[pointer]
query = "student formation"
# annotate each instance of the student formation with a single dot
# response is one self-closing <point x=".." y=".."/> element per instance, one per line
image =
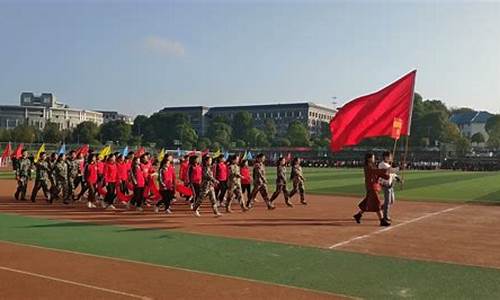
<point x="140" y="181"/>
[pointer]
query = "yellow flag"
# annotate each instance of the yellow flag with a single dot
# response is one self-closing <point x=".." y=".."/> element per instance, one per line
<point x="42" y="149"/>
<point x="105" y="151"/>
<point x="217" y="154"/>
<point x="161" y="154"/>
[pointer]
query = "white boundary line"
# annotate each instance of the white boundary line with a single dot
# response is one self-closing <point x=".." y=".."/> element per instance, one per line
<point x="75" y="283"/>
<point x="428" y="215"/>
<point x="182" y="269"/>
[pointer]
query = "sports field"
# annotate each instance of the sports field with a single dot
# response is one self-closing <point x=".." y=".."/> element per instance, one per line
<point x="443" y="245"/>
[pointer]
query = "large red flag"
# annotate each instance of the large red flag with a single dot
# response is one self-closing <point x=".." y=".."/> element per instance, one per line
<point x="6" y="152"/>
<point x="375" y="115"/>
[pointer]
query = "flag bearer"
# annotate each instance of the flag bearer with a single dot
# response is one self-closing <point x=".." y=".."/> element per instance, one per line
<point x="42" y="180"/>
<point x="23" y="172"/>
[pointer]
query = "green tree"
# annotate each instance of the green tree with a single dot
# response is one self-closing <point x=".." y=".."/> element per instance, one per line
<point x="270" y="129"/>
<point x="4" y="135"/>
<point x="186" y="135"/>
<point x="462" y="147"/>
<point x="477" y="138"/>
<point x="219" y="131"/>
<point x="52" y="134"/>
<point x="257" y="138"/>
<point x="282" y="142"/>
<point x="117" y="131"/>
<point x="298" y="134"/>
<point x="24" y="133"/>
<point x="493" y="142"/>
<point x="203" y="143"/>
<point x="139" y="124"/>
<point x="242" y="123"/>
<point x="86" y="133"/>
<point x="493" y="125"/>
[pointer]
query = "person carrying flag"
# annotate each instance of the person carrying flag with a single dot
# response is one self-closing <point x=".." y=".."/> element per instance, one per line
<point x="42" y="180"/>
<point x="23" y="174"/>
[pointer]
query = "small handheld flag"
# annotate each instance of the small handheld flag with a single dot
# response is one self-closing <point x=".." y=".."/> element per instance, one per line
<point x="105" y="151"/>
<point x="62" y="150"/>
<point x="226" y="155"/>
<point x="161" y="155"/>
<point x="125" y="151"/>
<point x="37" y="156"/>
<point x="249" y="155"/>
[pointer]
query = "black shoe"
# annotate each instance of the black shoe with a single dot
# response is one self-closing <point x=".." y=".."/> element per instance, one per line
<point x="388" y="220"/>
<point x="16" y="195"/>
<point x="303" y="202"/>
<point x="357" y="217"/>
<point x="384" y="223"/>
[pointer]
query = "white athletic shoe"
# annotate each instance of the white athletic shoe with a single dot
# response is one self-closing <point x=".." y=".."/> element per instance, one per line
<point x="157" y="209"/>
<point x="112" y="207"/>
<point x="139" y="209"/>
<point x="89" y="204"/>
<point x="168" y="211"/>
<point x="92" y="205"/>
<point x="191" y="206"/>
<point x="218" y="215"/>
<point x="197" y="213"/>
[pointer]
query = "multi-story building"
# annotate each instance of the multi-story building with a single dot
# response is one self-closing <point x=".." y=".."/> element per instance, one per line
<point x="312" y="115"/>
<point x="109" y="116"/>
<point x="38" y="110"/>
<point x="472" y="122"/>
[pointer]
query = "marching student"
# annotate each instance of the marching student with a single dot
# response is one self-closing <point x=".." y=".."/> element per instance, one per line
<point x="61" y="178"/>
<point x="110" y="179"/>
<point x="52" y="175"/>
<point x="234" y="190"/>
<point x="195" y="175"/>
<point x="371" y="202"/>
<point x="23" y="174"/>
<point x="138" y="180"/>
<point x="246" y="180"/>
<point x="90" y="176"/>
<point x="281" y="182"/>
<point x="220" y="171"/>
<point x="207" y="188"/>
<point x="183" y="173"/>
<point x="260" y="182"/>
<point x="298" y="179"/>
<point x="42" y="180"/>
<point x="73" y="170"/>
<point x="388" y="184"/>
<point x="167" y="182"/>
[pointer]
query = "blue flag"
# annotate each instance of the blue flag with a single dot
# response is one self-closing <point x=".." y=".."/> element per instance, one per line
<point x="179" y="152"/>
<point x="62" y="150"/>
<point x="249" y="155"/>
<point x="125" y="151"/>
<point x="226" y="155"/>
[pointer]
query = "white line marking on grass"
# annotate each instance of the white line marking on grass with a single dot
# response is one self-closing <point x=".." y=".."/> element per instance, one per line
<point x="181" y="269"/>
<point x="395" y="226"/>
<point x="75" y="283"/>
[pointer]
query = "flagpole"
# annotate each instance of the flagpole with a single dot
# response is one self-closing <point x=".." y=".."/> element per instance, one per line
<point x="407" y="145"/>
<point x="394" y="149"/>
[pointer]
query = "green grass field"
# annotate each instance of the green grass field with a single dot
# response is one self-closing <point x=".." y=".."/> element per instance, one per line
<point x="443" y="186"/>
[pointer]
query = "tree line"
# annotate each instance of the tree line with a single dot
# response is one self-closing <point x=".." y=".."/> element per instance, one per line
<point x="431" y="126"/>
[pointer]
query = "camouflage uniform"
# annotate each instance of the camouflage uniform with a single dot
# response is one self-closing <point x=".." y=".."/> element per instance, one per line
<point x="61" y="176"/>
<point x="42" y="180"/>
<point x="281" y="185"/>
<point x="73" y="173"/>
<point x="23" y="171"/>
<point x="52" y="177"/>
<point x="297" y="178"/>
<point x="207" y="190"/>
<point x="259" y="185"/>
<point x="235" y="188"/>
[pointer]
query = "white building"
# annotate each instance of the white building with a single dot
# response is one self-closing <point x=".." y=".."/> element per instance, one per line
<point x="38" y="110"/>
<point x="472" y="122"/>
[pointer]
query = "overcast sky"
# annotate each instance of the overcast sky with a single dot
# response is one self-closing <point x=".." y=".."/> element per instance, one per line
<point x="137" y="58"/>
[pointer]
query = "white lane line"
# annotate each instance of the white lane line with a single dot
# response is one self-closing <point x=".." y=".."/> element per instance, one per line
<point x="393" y="227"/>
<point x="75" y="283"/>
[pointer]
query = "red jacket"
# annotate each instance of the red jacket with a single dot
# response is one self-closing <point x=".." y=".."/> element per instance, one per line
<point x="183" y="171"/>
<point x="221" y="171"/>
<point x="138" y="174"/>
<point x="100" y="167"/>
<point x="195" y="174"/>
<point x="91" y="174"/>
<point x="110" y="172"/>
<point x="245" y="175"/>
<point x="122" y="171"/>
<point x="167" y="178"/>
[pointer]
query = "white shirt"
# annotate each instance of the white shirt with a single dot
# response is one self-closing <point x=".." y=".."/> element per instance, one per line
<point x="392" y="173"/>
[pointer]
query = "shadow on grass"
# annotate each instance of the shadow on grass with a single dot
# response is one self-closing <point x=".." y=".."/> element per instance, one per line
<point x="59" y="225"/>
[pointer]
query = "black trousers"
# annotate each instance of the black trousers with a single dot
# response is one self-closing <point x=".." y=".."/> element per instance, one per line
<point x="166" y="198"/>
<point x="40" y="184"/>
<point x="138" y="198"/>
<point x="110" y="193"/>
<point x="123" y="187"/>
<point x="221" y="190"/>
<point x="195" y="187"/>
